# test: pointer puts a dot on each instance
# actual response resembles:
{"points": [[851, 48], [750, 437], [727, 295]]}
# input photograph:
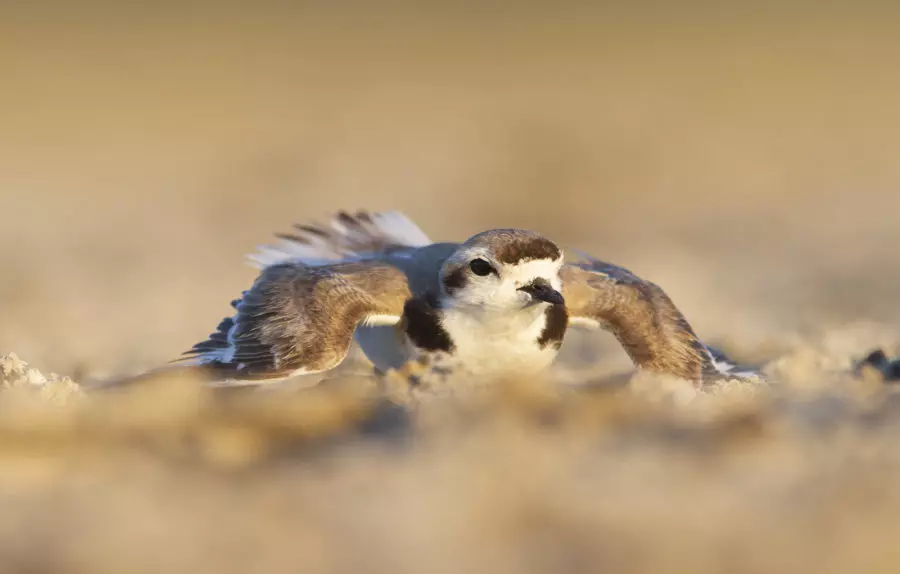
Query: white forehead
{"points": [[525, 271]]}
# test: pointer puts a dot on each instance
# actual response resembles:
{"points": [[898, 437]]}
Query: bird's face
{"points": [[508, 274]]}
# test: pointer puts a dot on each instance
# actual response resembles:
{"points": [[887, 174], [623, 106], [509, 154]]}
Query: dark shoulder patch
{"points": [[526, 249], [557, 321], [423, 326]]}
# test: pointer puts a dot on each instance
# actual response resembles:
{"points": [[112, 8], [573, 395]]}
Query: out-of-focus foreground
{"points": [[519, 477], [742, 156]]}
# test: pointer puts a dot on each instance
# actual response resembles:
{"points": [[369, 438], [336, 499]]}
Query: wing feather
{"points": [[298, 318], [651, 329], [344, 237]]}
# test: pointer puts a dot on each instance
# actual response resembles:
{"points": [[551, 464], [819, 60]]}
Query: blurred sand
{"points": [[517, 478], [741, 155]]}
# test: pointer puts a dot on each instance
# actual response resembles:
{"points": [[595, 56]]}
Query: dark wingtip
{"points": [[310, 229], [346, 218], [292, 237]]}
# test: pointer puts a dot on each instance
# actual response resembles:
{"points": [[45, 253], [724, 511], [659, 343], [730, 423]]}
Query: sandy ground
{"points": [[744, 158]]}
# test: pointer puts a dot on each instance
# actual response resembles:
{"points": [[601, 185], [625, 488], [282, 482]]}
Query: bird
{"points": [[498, 303], [492, 303]]}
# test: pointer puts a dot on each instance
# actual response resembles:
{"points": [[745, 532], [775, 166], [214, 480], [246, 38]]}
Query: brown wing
{"points": [[639, 314], [298, 318], [316, 288]]}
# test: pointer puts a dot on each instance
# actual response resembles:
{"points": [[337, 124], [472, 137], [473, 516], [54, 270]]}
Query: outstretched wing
{"points": [[345, 237], [651, 329], [299, 318]]}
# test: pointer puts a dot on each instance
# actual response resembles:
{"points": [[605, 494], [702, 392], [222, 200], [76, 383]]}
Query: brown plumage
{"points": [[301, 317], [640, 315], [516, 245]]}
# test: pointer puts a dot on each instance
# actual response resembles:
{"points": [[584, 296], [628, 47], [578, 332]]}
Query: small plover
{"points": [[498, 303], [491, 304]]}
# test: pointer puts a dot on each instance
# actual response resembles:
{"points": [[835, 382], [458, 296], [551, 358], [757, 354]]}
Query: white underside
{"points": [[499, 343], [485, 343], [584, 323], [383, 346]]}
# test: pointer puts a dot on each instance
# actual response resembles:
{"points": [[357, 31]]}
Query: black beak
{"points": [[541, 290]]}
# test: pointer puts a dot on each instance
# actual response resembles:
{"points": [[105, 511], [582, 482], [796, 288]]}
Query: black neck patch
{"points": [[423, 325], [455, 280], [555, 329]]}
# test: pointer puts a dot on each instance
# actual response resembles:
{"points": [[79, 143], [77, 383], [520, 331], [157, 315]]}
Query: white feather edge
{"points": [[392, 225], [226, 355], [380, 320], [726, 367], [401, 228]]}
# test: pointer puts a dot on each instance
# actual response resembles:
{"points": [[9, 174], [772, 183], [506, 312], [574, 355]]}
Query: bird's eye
{"points": [[481, 267]]}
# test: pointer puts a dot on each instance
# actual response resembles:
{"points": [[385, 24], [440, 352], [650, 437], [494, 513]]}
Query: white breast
{"points": [[485, 343], [498, 343]]}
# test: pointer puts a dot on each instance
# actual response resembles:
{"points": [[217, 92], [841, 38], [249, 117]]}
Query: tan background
{"points": [[743, 156]]}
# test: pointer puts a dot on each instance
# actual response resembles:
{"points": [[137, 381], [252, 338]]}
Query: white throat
{"points": [[494, 341]]}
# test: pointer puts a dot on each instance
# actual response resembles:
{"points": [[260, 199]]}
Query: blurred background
{"points": [[741, 155]]}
